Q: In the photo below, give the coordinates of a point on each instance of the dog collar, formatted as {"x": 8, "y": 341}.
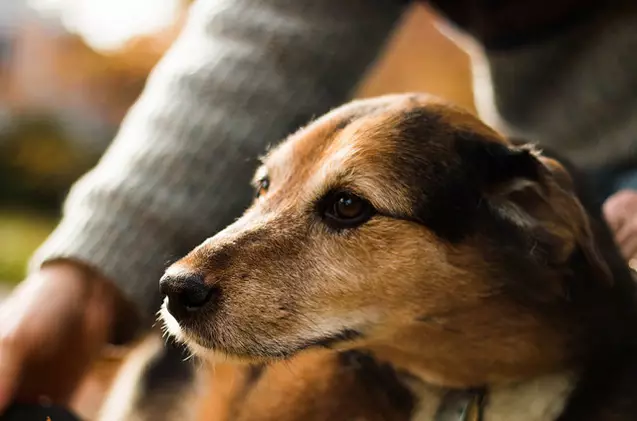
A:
{"x": 461, "y": 405}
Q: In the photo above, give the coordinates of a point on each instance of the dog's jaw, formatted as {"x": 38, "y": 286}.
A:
{"x": 329, "y": 332}
{"x": 171, "y": 327}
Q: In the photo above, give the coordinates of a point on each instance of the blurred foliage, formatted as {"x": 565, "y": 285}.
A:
{"x": 38, "y": 163}
{"x": 21, "y": 233}
{"x": 39, "y": 158}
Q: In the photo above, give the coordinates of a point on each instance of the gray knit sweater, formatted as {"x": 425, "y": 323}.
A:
{"x": 244, "y": 73}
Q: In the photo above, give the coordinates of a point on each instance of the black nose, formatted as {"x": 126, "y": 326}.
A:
{"x": 187, "y": 293}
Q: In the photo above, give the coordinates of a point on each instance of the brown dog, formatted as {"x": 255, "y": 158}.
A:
{"x": 445, "y": 269}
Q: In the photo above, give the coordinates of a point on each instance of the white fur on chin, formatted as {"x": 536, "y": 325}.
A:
{"x": 171, "y": 327}
{"x": 170, "y": 324}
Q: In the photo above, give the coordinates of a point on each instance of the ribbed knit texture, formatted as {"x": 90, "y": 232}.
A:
{"x": 245, "y": 73}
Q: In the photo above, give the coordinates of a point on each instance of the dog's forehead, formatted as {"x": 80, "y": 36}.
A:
{"x": 384, "y": 148}
{"x": 378, "y": 123}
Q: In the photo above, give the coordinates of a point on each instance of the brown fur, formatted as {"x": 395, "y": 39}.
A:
{"x": 480, "y": 267}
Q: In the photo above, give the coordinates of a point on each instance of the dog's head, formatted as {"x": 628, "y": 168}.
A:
{"x": 401, "y": 225}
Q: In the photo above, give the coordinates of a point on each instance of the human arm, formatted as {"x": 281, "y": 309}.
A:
{"x": 243, "y": 74}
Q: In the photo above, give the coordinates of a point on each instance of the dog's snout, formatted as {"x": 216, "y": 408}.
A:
{"x": 187, "y": 293}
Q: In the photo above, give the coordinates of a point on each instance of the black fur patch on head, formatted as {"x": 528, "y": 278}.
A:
{"x": 448, "y": 170}
{"x": 444, "y": 192}
{"x": 494, "y": 162}
{"x": 416, "y": 163}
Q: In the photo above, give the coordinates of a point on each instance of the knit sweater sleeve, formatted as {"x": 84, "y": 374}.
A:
{"x": 242, "y": 75}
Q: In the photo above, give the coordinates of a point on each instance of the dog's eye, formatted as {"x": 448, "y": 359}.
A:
{"x": 262, "y": 186}
{"x": 346, "y": 210}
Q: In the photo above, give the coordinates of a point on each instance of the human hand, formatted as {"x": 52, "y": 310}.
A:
{"x": 52, "y": 327}
{"x": 620, "y": 211}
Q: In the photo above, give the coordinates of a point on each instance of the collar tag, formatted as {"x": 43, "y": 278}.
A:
{"x": 461, "y": 405}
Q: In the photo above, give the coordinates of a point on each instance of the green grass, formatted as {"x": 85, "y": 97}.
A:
{"x": 21, "y": 232}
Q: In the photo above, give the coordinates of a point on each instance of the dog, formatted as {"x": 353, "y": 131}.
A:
{"x": 404, "y": 261}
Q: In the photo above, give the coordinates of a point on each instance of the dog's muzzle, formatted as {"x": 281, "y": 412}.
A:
{"x": 187, "y": 294}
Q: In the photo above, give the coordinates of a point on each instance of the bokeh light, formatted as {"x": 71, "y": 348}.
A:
{"x": 107, "y": 25}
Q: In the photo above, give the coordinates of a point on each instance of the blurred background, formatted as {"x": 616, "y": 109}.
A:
{"x": 70, "y": 69}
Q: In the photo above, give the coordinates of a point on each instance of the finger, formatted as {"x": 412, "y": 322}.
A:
{"x": 614, "y": 221}
{"x": 628, "y": 242}
{"x": 614, "y": 215}
{"x": 626, "y": 234}
{"x": 619, "y": 207}
{"x": 10, "y": 373}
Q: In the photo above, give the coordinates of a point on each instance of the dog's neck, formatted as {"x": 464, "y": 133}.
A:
{"x": 540, "y": 399}
{"x": 527, "y": 398}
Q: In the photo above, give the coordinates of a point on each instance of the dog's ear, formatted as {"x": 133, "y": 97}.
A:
{"x": 535, "y": 193}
